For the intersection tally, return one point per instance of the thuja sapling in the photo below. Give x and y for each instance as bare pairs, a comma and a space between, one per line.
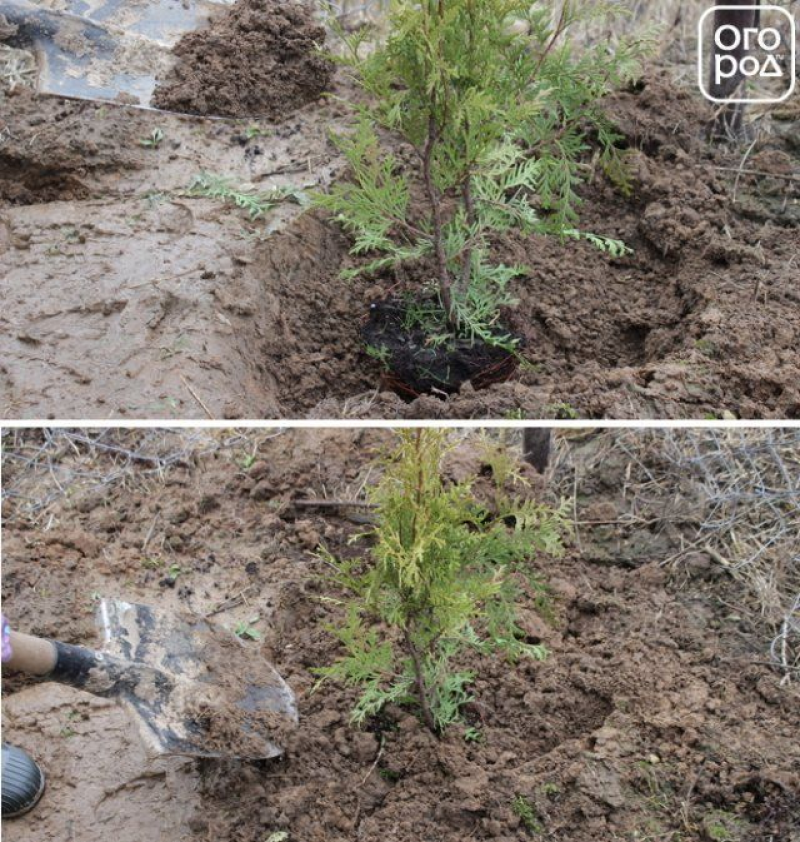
496, 119
443, 575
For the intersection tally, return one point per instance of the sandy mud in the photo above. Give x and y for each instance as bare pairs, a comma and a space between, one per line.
655, 716
100, 782
140, 308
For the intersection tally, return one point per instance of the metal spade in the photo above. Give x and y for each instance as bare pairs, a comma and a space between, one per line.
165, 668
103, 49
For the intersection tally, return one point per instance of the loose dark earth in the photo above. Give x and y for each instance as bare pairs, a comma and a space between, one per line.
258, 59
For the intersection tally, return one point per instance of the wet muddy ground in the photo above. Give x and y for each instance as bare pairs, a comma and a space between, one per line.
125, 296
654, 718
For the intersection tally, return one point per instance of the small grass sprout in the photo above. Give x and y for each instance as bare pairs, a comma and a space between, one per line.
523, 808
154, 139
245, 630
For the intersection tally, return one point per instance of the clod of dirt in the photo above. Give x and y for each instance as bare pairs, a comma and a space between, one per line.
232, 731
257, 59
418, 366
49, 147
227, 710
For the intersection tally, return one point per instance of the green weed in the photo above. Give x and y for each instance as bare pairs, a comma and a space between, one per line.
256, 204
153, 140
562, 411
473, 735
380, 354
256, 131
246, 461
723, 826
523, 808
246, 631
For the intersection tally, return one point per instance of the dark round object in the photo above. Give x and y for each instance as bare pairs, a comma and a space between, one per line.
23, 782
415, 366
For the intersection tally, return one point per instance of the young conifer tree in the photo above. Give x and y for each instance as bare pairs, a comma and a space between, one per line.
496, 120
444, 574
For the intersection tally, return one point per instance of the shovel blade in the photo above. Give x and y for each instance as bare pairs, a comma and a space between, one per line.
76, 57
163, 21
225, 701
107, 50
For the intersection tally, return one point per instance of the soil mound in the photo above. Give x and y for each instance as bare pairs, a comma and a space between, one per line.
257, 59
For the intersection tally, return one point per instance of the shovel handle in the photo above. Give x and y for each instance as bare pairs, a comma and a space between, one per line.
32, 655
62, 662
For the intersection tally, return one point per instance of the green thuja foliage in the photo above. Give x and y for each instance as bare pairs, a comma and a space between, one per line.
444, 575
496, 119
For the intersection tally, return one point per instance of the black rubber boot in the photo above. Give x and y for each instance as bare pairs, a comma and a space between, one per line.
23, 782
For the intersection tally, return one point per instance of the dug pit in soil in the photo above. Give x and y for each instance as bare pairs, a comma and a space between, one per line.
257, 59
416, 366
142, 290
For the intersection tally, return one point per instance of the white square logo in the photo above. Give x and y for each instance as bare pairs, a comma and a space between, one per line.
763, 52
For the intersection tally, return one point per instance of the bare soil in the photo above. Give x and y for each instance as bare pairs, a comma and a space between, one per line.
141, 306
655, 716
258, 58
152, 303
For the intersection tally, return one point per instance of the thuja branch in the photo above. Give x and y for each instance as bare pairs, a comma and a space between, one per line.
445, 282
478, 102
441, 576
